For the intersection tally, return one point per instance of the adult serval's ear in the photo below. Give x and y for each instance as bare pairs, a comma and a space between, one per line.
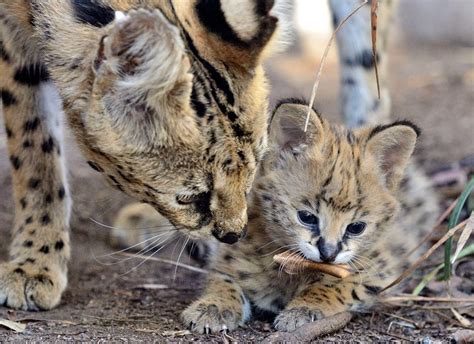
287, 127
392, 146
236, 32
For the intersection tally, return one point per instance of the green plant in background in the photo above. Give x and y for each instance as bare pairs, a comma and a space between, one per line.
453, 221
466, 196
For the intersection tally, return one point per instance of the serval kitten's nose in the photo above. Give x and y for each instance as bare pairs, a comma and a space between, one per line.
327, 252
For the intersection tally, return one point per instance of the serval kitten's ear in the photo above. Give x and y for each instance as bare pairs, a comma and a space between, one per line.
392, 145
287, 127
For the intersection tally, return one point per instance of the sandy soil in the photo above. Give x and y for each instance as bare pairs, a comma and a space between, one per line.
433, 86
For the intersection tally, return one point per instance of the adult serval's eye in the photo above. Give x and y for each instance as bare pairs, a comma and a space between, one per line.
308, 219
356, 228
191, 199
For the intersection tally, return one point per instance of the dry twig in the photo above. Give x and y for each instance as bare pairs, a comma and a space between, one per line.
323, 60
373, 23
295, 263
308, 332
440, 220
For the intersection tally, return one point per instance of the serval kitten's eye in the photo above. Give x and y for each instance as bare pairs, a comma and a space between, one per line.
190, 199
308, 219
356, 228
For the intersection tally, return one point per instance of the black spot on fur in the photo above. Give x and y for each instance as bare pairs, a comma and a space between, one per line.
34, 183
349, 81
113, 179
61, 192
59, 245
45, 219
48, 199
28, 243
29, 220
30, 260
366, 59
8, 98
232, 116
27, 144
9, 132
3, 53
31, 75
335, 20
23, 203
241, 155
243, 275
92, 12
95, 166
16, 162
373, 290
48, 145
44, 249
31, 125
228, 258
19, 271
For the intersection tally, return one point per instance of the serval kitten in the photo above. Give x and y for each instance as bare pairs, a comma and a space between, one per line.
331, 195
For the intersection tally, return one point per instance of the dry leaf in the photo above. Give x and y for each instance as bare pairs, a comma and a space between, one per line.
465, 234
13, 325
462, 320
180, 333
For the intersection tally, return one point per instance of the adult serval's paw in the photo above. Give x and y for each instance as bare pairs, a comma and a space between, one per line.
290, 319
139, 41
26, 286
206, 317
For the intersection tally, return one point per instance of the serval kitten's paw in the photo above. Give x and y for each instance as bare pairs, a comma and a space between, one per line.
290, 319
137, 225
23, 285
207, 317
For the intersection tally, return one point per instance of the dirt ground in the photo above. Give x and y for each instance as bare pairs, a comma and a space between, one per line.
432, 86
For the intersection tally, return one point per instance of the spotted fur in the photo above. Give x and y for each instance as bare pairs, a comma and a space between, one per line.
167, 99
340, 177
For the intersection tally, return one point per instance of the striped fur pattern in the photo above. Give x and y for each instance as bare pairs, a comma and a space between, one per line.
167, 99
334, 195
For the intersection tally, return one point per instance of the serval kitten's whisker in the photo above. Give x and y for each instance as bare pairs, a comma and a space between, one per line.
179, 257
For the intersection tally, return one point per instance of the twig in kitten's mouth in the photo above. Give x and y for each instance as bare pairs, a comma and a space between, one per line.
336, 270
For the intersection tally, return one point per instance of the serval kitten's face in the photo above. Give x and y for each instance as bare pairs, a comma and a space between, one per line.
329, 192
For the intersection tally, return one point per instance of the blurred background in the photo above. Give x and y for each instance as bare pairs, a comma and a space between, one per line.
431, 80
430, 74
